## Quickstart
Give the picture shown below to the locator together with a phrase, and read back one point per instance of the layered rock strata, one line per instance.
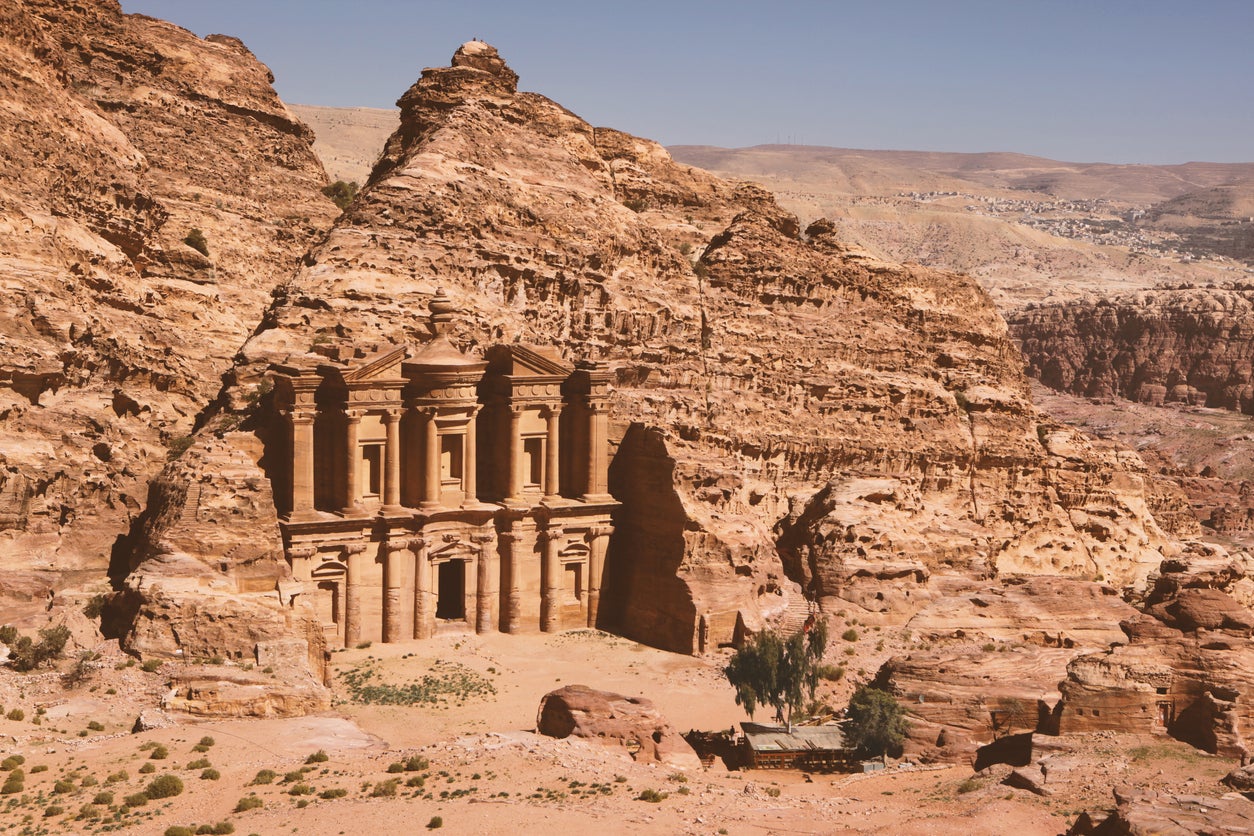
(1190, 345)
(122, 135)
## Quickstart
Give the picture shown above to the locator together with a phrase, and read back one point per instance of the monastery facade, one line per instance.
(432, 488)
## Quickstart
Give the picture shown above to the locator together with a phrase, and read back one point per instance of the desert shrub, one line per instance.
(196, 240)
(968, 785)
(89, 781)
(989, 648)
(652, 796)
(210, 775)
(118, 777)
(179, 830)
(265, 776)
(199, 763)
(341, 193)
(417, 763)
(248, 802)
(385, 789)
(39, 767)
(167, 786)
(136, 799)
(394, 768)
(294, 775)
(103, 797)
(319, 756)
(220, 827)
(148, 769)
(15, 783)
(416, 781)
(63, 786)
(53, 810)
(159, 753)
(436, 822)
(301, 789)
(773, 792)
(12, 762)
(95, 725)
(850, 635)
(16, 714)
(335, 792)
(151, 665)
(95, 606)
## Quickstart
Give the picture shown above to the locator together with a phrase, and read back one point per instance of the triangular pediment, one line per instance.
(529, 361)
(386, 365)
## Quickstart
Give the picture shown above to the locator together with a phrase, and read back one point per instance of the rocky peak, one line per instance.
(483, 56)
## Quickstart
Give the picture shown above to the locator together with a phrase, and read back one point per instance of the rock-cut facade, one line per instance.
(423, 489)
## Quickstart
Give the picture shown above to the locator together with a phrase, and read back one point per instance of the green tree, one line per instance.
(780, 673)
(341, 193)
(27, 654)
(877, 722)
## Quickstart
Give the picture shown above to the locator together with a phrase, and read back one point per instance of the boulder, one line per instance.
(615, 720)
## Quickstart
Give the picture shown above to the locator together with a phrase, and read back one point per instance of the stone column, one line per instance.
(341, 607)
(431, 446)
(302, 465)
(552, 472)
(352, 472)
(300, 557)
(597, 441)
(470, 463)
(424, 598)
(598, 541)
(394, 553)
(512, 618)
(392, 458)
(551, 582)
(515, 455)
(355, 558)
(489, 586)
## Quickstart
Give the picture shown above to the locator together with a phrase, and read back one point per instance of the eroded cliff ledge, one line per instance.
(1188, 345)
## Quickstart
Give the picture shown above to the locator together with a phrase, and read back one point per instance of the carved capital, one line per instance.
(450, 537)
(391, 416)
(482, 539)
(550, 411)
(393, 546)
(353, 415)
(302, 551)
(416, 544)
(353, 548)
(596, 405)
(551, 534)
(509, 538)
(301, 416)
(599, 531)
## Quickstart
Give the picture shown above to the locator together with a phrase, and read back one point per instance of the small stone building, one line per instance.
(427, 487)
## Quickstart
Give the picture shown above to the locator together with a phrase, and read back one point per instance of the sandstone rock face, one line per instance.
(614, 720)
(1004, 647)
(1141, 813)
(1186, 670)
(784, 393)
(123, 134)
(1186, 345)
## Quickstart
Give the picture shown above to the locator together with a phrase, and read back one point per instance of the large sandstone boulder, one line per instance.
(615, 720)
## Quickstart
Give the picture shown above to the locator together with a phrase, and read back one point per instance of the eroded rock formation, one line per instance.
(614, 720)
(1191, 345)
(122, 134)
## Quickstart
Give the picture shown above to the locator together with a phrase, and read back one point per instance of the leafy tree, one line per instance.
(877, 722)
(781, 673)
(27, 654)
(341, 193)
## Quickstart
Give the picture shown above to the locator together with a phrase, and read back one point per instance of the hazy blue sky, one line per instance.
(1081, 80)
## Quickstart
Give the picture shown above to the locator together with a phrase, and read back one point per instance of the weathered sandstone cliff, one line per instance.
(790, 415)
(1185, 345)
(122, 134)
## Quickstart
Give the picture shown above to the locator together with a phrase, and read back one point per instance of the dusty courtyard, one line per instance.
(486, 771)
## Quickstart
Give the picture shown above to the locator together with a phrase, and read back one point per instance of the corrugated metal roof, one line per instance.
(763, 738)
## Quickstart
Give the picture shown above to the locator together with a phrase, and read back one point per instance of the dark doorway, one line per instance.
(452, 600)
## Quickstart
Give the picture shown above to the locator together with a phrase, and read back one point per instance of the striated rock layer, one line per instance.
(1184, 345)
(790, 414)
(122, 134)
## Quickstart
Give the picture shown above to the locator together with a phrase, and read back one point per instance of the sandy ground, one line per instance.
(489, 773)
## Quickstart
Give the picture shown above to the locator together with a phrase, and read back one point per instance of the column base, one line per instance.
(598, 497)
(392, 510)
(354, 511)
(303, 516)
